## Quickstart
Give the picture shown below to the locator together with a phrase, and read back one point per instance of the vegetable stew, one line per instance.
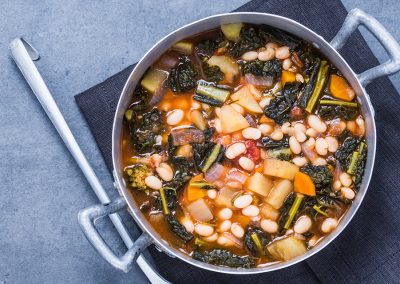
(243, 146)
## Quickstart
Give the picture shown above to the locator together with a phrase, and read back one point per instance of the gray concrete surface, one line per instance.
(41, 189)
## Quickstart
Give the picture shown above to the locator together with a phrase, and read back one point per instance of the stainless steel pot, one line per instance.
(358, 81)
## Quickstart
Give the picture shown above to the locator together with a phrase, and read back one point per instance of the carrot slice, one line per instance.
(193, 193)
(340, 89)
(287, 77)
(304, 184)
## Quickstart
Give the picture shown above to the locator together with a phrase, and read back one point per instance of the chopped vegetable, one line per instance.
(198, 120)
(269, 143)
(229, 67)
(321, 80)
(164, 201)
(321, 176)
(284, 154)
(210, 94)
(184, 47)
(225, 258)
(136, 176)
(255, 240)
(304, 184)
(340, 89)
(287, 248)
(206, 48)
(270, 68)
(183, 136)
(331, 109)
(244, 98)
(129, 115)
(182, 77)
(312, 72)
(281, 169)
(319, 210)
(338, 103)
(249, 39)
(231, 120)
(232, 31)
(178, 229)
(293, 210)
(193, 191)
(288, 77)
(357, 163)
(199, 210)
(153, 79)
(225, 197)
(279, 192)
(259, 184)
(269, 212)
(212, 73)
(212, 157)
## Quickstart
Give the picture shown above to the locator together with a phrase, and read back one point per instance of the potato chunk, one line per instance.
(281, 169)
(244, 98)
(279, 192)
(259, 183)
(287, 248)
(231, 120)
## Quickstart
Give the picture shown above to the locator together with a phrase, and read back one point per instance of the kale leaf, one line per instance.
(269, 143)
(270, 68)
(280, 106)
(141, 97)
(269, 33)
(309, 87)
(320, 175)
(332, 112)
(212, 73)
(182, 77)
(360, 167)
(206, 48)
(178, 229)
(255, 240)
(250, 39)
(345, 151)
(145, 129)
(224, 257)
(170, 195)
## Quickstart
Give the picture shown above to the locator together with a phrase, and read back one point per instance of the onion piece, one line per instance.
(259, 81)
(250, 120)
(236, 241)
(309, 153)
(216, 172)
(237, 175)
(157, 96)
(183, 136)
(200, 210)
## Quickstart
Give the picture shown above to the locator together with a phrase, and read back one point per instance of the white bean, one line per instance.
(264, 102)
(272, 45)
(321, 146)
(243, 201)
(300, 136)
(269, 226)
(266, 54)
(196, 105)
(188, 224)
(299, 78)
(225, 226)
(295, 146)
(361, 126)
(235, 150)
(224, 241)
(265, 128)
(333, 144)
(204, 230)
(251, 211)
(286, 64)
(212, 193)
(328, 225)
(165, 172)
(316, 123)
(175, 117)
(348, 193)
(337, 185)
(153, 182)
(313, 241)
(300, 127)
(299, 161)
(217, 125)
(345, 179)
(205, 106)
(246, 163)
(250, 55)
(310, 143)
(238, 108)
(285, 127)
(225, 213)
(319, 162)
(217, 111)
(251, 133)
(276, 135)
(303, 224)
(311, 132)
(237, 230)
(211, 238)
(282, 52)
(156, 159)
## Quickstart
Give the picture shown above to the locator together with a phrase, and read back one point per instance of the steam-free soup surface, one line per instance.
(243, 146)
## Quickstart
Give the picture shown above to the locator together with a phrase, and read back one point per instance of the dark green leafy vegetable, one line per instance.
(250, 39)
(144, 130)
(276, 35)
(136, 176)
(344, 154)
(293, 210)
(182, 77)
(319, 86)
(166, 200)
(224, 257)
(206, 154)
(255, 240)
(141, 99)
(320, 175)
(331, 109)
(308, 89)
(283, 154)
(212, 157)
(209, 94)
(270, 68)
(269, 143)
(357, 163)
(202, 185)
(280, 106)
(212, 73)
(207, 48)
(178, 229)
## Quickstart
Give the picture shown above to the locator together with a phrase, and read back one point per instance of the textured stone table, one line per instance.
(41, 187)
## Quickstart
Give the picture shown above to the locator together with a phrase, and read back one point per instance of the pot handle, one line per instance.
(354, 19)
(87, 218)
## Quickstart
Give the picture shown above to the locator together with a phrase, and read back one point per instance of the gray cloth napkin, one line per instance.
(368, 251)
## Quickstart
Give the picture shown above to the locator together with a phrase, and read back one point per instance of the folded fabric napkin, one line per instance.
(368, 250)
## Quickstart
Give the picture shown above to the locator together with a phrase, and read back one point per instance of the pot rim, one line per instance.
(333, 53)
